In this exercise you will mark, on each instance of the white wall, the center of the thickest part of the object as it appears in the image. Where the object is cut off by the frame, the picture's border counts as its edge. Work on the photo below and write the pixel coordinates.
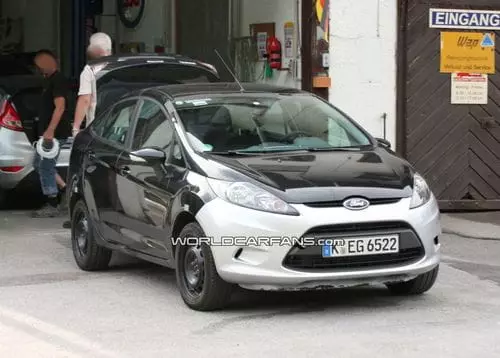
(40, 22)
(363, 43)
(279, 12)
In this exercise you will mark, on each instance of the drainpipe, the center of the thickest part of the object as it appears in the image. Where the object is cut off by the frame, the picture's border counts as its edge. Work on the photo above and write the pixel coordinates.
(77, 37)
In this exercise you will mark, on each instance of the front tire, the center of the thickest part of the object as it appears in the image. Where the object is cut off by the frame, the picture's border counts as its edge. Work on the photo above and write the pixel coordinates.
(89, 255)
(417, 286)
(201, 287)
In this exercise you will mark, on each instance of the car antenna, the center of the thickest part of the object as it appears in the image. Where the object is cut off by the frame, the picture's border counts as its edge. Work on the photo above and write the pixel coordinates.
(229, 69)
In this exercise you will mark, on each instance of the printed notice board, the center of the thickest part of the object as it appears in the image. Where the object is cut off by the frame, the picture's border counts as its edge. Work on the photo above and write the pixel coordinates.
(467, 88)
(469, 52)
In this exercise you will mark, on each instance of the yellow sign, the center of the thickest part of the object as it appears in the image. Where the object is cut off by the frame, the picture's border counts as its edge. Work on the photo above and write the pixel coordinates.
(469, 52)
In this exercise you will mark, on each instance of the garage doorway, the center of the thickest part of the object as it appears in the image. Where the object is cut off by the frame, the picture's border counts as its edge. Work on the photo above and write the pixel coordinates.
(455, 147)
(201, 27)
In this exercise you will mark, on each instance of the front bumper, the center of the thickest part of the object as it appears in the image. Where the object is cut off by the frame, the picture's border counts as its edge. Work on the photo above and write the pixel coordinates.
(262, 267)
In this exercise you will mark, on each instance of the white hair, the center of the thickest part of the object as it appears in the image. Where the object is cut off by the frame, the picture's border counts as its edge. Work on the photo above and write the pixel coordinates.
(101, 41)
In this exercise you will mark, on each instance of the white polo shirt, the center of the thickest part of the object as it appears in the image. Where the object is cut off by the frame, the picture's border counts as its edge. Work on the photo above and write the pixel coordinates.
(88, 87)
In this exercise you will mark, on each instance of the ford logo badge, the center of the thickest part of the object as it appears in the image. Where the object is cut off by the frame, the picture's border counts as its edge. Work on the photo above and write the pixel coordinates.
(356, 204)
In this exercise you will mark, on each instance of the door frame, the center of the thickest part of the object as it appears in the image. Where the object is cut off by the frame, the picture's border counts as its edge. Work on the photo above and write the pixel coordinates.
(306, 45)
(308, 29)
(401, 61)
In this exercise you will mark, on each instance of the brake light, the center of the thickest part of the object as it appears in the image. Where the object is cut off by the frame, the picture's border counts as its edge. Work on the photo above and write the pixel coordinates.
(9, 118)
(14, 169)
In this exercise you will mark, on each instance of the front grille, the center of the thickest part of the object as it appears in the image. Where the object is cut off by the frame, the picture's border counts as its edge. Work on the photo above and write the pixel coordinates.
(310, 257)
(339, 203)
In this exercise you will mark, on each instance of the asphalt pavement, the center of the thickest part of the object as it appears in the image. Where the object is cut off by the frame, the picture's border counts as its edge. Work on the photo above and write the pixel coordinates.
(48, 308)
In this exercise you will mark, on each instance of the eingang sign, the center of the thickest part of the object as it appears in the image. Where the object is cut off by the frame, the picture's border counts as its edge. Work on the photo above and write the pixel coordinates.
(464, 19)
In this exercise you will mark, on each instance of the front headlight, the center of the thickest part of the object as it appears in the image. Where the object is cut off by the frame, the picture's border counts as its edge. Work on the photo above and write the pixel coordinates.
(421, 192)
(250, 196)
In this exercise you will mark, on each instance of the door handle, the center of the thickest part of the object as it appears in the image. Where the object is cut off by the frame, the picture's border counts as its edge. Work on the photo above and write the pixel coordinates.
(91, 156)
(124, 170)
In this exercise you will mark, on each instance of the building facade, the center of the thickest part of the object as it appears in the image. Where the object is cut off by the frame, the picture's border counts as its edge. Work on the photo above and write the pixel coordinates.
(378, 60)
(389, 70)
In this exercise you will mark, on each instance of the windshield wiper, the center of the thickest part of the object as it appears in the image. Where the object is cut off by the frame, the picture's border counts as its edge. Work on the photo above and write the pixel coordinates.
(233, 153)
(333, 149)
(277, 150)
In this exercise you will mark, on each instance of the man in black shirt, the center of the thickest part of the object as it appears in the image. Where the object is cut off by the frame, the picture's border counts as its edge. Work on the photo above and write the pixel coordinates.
(53, 124)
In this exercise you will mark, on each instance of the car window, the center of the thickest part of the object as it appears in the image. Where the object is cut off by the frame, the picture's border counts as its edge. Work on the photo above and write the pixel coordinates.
(154, 128)
(116, 123)
(166, 73)
(267, 122)
(117, 83)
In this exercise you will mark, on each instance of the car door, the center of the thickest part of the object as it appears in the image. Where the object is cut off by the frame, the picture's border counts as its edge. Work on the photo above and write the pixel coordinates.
(100, 176)
(149, 200)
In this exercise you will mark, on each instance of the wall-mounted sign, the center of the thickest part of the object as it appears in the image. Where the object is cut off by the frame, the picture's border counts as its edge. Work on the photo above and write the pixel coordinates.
(469, 52)
(130, 12)
(464, 19)
(469, 88)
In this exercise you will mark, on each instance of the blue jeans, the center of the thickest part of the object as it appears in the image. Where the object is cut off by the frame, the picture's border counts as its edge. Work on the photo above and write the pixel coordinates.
(46, 169)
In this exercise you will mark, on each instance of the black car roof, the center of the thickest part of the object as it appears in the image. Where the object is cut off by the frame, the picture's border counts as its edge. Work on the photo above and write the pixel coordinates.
(123, 60)
(221, 88)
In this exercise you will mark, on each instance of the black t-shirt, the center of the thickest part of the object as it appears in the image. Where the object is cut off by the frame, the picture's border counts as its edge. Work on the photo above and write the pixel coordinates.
(54, 86)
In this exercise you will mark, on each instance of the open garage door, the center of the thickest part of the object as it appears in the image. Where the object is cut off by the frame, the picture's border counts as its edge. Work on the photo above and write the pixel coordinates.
(202, 26)
(456, 147)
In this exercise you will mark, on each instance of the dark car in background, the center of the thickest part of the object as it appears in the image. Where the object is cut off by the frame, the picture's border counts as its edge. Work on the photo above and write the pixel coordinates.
(20, 92)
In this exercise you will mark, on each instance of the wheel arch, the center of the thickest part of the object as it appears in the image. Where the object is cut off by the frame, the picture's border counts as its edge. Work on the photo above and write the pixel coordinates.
(186, 207)
(74, 193)
(181, 221)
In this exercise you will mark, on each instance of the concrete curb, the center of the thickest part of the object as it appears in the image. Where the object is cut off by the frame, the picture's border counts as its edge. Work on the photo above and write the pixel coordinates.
(462, 235)
(470, 229)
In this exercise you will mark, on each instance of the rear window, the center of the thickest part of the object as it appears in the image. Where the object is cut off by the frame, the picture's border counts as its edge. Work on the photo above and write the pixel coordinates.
(159, 74)
(113, 85)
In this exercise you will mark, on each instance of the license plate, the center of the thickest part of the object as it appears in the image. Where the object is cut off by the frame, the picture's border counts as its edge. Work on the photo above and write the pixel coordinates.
(358, 246)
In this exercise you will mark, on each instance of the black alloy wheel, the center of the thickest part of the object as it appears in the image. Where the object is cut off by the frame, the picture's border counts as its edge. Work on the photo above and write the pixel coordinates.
(88, 254)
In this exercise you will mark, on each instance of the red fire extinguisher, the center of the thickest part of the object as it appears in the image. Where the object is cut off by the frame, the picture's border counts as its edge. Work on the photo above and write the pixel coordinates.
(274, 52)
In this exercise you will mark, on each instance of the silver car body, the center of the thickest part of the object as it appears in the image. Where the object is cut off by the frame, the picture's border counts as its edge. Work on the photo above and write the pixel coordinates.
(261, 267)
(17, 151)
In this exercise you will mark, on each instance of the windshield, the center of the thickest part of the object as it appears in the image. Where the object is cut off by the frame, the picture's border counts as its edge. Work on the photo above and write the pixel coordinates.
(266, 123)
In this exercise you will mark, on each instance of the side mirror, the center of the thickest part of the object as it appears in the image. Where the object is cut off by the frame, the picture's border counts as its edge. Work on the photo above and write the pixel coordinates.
(151, 155)
(383, 142)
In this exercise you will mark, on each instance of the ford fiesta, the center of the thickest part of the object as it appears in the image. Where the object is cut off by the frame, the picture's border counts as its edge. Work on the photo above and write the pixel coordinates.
(198, 177)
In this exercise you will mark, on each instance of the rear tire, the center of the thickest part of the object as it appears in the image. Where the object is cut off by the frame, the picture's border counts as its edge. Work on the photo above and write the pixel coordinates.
(417, 286)
(200, 286)
(3, 199)
(89, 255)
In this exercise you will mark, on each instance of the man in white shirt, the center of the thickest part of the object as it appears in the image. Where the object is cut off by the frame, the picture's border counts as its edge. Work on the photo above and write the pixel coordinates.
(100, 46)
